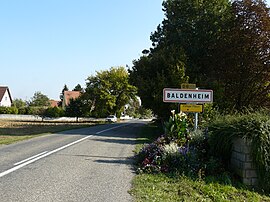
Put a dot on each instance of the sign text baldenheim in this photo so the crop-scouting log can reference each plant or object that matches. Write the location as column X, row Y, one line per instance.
column 187, row 96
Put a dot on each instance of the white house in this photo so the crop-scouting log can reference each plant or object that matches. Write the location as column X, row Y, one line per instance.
column 5, row 97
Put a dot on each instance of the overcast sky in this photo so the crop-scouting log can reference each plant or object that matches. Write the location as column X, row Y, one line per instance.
column 47, row 44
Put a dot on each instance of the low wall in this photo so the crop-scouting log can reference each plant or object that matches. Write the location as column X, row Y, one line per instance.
column 18, row 117
column 241, row 161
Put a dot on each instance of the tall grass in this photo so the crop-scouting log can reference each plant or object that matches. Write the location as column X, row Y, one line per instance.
column 254, row 126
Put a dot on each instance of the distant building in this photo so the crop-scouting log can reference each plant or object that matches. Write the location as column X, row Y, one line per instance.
column 69, row 95
column 55, row 103
column 5, row 97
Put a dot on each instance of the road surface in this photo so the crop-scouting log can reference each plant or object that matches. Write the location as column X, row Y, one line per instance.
column 90, row 164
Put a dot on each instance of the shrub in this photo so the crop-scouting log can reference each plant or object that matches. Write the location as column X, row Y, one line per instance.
column 54, row 112
column 254, row 126
column 8, row 110
column 176, row 151
column 35, row 110
column 177, row 128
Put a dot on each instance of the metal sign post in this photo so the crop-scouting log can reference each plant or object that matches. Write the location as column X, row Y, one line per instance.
column 196, row 121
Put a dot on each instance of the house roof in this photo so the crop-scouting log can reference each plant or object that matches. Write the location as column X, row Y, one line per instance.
column 54, row 103
column 3, row 89
column 68, row 95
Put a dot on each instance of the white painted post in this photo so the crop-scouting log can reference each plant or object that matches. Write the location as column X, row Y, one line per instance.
column 196, row 122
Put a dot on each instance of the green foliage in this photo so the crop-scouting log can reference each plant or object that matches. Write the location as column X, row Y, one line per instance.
column 108, row 92
column 65, row 88
column 78, row 87
column 8, row 110
column 39, row 100
column 177, row 128
column 244, row 73
column 220, row 44
column 18, row 103
column 180, row 151
column 175, row 188
column 255, row 127
column 31, row 110
column 152, row 73
column 22, row 110
column 54, row 112
column 75, row 108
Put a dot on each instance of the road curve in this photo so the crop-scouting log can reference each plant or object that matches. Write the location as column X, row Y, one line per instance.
column 90, row 164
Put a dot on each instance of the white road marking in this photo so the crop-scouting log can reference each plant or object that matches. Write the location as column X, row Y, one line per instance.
column 32, row 157
column 45, row 154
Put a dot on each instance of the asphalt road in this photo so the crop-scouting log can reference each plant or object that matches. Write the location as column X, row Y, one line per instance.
column 90, row 164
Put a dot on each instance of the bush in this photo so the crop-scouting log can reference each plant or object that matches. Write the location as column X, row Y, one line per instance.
column 35, row 110
column 54, row 112
column 177, row 128
column 176, row 151
column 8, row 110
column 254, row 126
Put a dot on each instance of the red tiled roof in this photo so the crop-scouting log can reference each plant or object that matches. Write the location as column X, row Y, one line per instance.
column 54, row 103
column 3, row 89
column 68, row 95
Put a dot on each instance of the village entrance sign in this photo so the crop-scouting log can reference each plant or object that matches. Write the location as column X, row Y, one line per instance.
column 187, row 95
column 189, row 98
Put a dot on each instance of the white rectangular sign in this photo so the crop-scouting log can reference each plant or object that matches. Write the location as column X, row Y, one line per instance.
column 187, row 96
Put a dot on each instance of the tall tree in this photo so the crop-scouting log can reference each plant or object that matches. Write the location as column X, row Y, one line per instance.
column 39, row 100
column 220, row 44
column 153, row 72
column 75, row 108
column 182, row 50
column 65, row 88
column 193, row 27
column 78, row 88
column 109, row 91
column 245, row 47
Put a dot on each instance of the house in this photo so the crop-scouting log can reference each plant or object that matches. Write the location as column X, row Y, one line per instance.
column 5, row 97
column 69, row 95
column 54, row 103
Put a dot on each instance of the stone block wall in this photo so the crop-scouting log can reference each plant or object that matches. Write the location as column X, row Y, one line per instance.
column 241, row 161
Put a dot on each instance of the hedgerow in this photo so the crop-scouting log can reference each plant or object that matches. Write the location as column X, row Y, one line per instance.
column 254, row 126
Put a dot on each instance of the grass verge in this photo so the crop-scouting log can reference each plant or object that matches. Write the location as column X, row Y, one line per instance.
column 160, row 187
column 175, row 187
column 14, row 131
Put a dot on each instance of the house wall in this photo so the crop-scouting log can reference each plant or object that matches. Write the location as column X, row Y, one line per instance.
column 5, row 102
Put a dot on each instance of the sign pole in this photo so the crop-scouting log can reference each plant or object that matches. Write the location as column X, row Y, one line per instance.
column 196, row 122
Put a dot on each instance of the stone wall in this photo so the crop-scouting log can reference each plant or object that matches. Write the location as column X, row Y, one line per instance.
column 241, row 161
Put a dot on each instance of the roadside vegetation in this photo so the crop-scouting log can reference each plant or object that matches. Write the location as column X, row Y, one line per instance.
column 14, row 131
column 220, row 45
column 178, row 165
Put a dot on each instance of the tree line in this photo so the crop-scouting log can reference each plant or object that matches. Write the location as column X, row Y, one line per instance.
column 221, row 45
column 107, row 92
column 216, row 44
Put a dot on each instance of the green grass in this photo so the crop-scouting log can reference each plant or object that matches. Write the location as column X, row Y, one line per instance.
column 162, row 187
